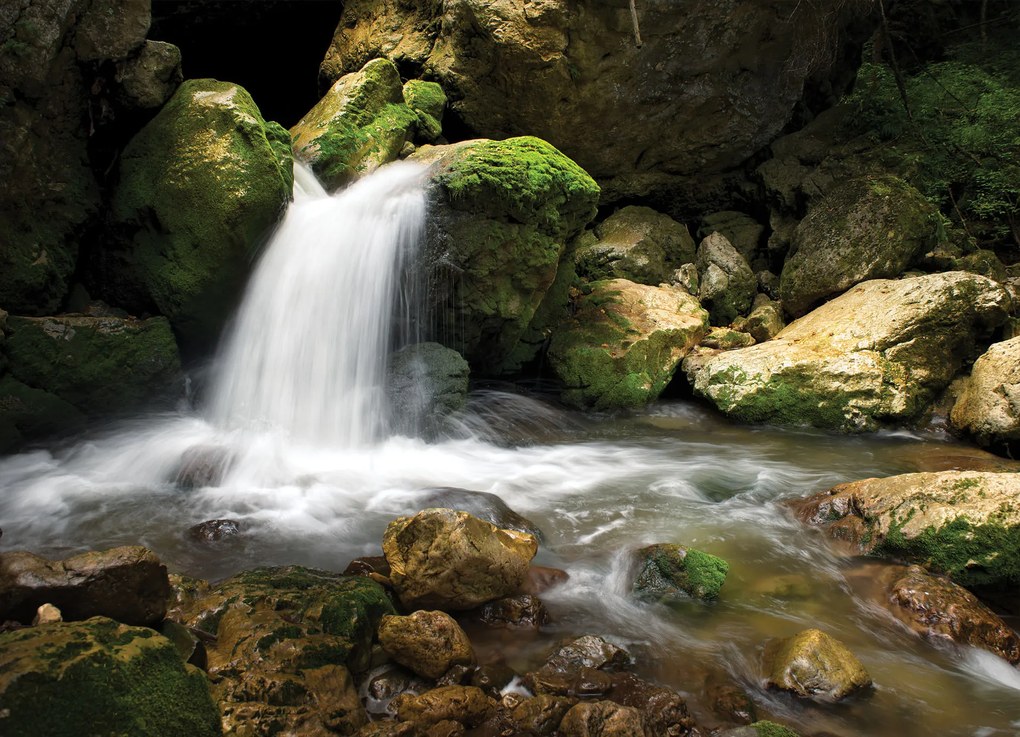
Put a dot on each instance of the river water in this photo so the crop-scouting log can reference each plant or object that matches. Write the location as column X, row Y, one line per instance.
column 315, row 490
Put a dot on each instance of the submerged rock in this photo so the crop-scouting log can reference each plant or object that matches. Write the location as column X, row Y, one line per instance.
column 214, row 531
column 988, row 406
column 962, row 523
column 76, row 679
column 426, row 382
column 878, row 353
column 814, row 665
column 870, row 228
column 670, row 573
column 624, row 342
column 128, row 584
column 502, row 213
column 453, row 561
column 938, row 609
column 429, row 643
column 638, row 244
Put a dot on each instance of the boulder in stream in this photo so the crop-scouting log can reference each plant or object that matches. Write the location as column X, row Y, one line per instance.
column 814, row 665
column 670, row 573
column 965, row 524
column 878, row 353
column 988, row 406
column 452, row 561
column 426, row 383
column 427, row 642
column 76, row 679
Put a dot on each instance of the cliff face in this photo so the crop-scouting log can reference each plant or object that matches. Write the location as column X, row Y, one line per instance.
column 643, row 100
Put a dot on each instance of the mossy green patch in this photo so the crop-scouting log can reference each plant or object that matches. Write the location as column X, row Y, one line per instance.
column 765, row 728
column 672, row 573
column 28, row 414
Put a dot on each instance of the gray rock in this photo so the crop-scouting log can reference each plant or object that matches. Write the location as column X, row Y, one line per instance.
column 150, row 77
column 426, row 383
column 636, row 243
column 727, row 285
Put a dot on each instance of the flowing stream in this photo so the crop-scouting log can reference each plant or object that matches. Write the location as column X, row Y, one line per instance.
column 295, row 418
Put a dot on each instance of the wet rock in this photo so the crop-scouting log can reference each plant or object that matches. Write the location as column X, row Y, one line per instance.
column 99, row 365
column 100, row 677
column 871, row 228
column 624, row 342
column 663, row 712
column 988, row 406
column 589, row 651
column 569, row 680
column 189, row 646
column 199, row 186
column 480, row 504
column 541, row 715
column 962, row 523
column 452, row 561
column 426, row 383
column 542, row 578
column 523, row 611
column 669, row 573
column 763, row 728
column 203, row 465
column 638, row 244
column 729, row 701
column 878, row 353
column 814, row 665
column 466, row 705
column 938, row 609
column 128, row 584
column 492, row 678
column 727, row 285
column 214, row 531
column 429, row 643
column 360, row 124
column 382, row 686
column 501, row 216
column 602, row 719
column 184, row 591
column 149, row 77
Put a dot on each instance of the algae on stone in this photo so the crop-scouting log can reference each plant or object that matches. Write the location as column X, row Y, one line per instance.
column 670, row 573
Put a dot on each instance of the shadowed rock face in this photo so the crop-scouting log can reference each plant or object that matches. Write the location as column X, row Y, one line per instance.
column 690, row 87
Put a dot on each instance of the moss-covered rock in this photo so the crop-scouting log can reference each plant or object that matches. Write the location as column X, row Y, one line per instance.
column 878, row 353
column 988, row 406
column 148, row 78
column 812, row 664
column 962, row 523
column 428, row 101
column 502, row 213
column 28, row 414
column 636, row 243
column 360, row 124
column 727, row 284
column 99, row 365
column 199, row 187
column 624, row 342
column 869, row 228
column 71, row 679
column 668, row 572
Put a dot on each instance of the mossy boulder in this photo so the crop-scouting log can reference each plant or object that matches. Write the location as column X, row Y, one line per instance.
column 624, row 342
column 965, row 524
column 75, row 679
column 428, row 101
column 361, row 123
column 98, row 365
column 726, row 283
column 668, row 573
column 636, row 243
column 878, row 353
column 988, row 406
column 502, row 214
column 287, row 640
column 868, row 228
column 28, row 414
column 813, row 664
column 200, row 186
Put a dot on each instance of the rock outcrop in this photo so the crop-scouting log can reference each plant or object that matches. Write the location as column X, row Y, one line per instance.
column 988, row 406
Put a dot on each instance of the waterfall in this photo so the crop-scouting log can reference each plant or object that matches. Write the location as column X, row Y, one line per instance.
column 307, row 354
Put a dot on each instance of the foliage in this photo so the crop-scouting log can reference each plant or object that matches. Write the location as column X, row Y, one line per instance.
column 956, row 128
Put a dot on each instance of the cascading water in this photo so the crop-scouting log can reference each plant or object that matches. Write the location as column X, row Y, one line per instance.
column 314, row 478
column 308, row 354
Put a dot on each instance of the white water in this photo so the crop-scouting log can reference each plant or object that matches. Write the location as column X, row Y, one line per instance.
column 314, row 480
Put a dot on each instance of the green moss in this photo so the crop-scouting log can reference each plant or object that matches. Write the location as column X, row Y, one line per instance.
column 765, row 728
column 287, row 632
column 428, row 101
column 670, row 573
column 350, row 147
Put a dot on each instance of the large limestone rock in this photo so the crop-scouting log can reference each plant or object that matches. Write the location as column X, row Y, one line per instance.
column 360, row 124
column 727, row 284
column 962, row 523
column 77, row 679
column 450, row 560
column 605, row 90
column 668, row 572
column 878, row 353
column 814, row 665
column 200, row 186
column 286, row 642
column 428, row 643
column 988, row 406
column 98, row 365
column 51, row 51
column 624, row 342
column 869, row 228
column 636, row 243
column 128, row 584
column 502, row 213
column 940, row 610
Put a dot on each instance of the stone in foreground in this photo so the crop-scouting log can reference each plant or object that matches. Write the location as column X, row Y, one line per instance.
column 814, row 665
column 988, row 407
column 427, row 642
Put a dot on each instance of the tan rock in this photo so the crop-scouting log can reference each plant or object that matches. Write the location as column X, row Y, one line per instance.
column 602, row 719
column 46, row 614
column 429, row 643
column 815, row 665
column 988, row 407
column 467, row 705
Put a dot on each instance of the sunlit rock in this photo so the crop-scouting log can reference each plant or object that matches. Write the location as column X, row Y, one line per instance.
column 427, row 642
column 727, row 284
column 988, row 407
column 814, row 665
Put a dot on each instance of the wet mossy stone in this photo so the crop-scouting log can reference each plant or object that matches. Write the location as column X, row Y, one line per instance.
column 99, row 677
column 361, row 123
column 28, row 414
column 428, row 101
column 99, row 365
column 200, row 186
column 671, row 573
column 502, row 214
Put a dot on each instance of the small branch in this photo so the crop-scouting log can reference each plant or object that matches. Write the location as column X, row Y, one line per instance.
column 634, row 20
